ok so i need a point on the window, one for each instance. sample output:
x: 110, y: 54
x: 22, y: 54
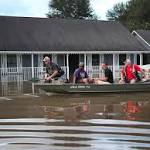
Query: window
x: 60, y: 60
x: 108, y: 58
x: 11, y: 61
x: 36, y: 60
x: 122, y: 58
x: 26, y: 60
x: 146, y: 59
x: 95, y: 60
x: 81, y: 58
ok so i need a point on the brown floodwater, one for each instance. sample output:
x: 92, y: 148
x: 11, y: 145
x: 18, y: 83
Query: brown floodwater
x: 33, y: 121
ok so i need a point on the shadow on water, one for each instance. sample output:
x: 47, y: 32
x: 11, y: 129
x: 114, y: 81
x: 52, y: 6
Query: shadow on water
x: 31, y: 121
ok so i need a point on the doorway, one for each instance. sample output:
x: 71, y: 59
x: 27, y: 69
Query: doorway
x: 73, y: 64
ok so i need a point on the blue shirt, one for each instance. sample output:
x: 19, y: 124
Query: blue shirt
x: 80, y: 74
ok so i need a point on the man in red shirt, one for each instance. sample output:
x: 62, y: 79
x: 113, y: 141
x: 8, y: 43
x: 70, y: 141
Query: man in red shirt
x: 130, y: 73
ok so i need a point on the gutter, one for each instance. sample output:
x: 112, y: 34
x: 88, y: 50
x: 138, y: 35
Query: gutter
x: 73, y: 52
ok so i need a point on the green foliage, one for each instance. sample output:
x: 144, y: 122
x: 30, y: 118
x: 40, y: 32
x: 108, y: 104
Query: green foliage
x: 135, y: 14
x: 78, y: 9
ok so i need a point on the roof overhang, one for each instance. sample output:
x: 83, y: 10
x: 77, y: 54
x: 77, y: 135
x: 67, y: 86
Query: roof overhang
x: 73, y: 52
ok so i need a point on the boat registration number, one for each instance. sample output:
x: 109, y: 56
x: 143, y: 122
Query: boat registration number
x: 80, y: 87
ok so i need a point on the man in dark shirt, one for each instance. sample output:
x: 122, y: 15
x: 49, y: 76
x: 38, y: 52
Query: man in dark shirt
x: 53, y: 71
x: 108, y: 75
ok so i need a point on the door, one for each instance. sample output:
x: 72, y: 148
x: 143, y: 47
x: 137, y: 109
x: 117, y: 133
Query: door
x: 73, y: 65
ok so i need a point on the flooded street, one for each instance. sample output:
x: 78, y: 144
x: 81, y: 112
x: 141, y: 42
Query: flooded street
x: 33, y: 121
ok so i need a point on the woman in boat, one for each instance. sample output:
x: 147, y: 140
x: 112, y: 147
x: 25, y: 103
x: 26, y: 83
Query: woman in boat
x: 53, y: 71
x: 108, y: 75
x: 80, y: 75
x: 130, y: 73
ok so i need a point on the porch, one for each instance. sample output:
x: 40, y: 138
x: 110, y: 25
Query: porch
x: 29, y: 73
x: 14, y: 67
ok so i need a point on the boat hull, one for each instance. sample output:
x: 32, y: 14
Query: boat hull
x: 91, y: 88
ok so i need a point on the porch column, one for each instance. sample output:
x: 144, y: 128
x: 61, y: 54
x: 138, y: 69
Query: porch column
x: 116, y: 69
x: 32, y: 64
x: 85, y: 61
x: 19, y: 84
x: 89, y: 65
x: 4, y: 63
x: 135, y: 58
x: 40, y: 70
x: 4, y: 86
x: 141, y: 59
x: 89, y: 60
x: 114, y: 63
x: 101, y: 58
x: 68, y: 66
x: 19, y: 63
x: 33, y: 89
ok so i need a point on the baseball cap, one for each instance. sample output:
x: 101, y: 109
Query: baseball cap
x: 81, y: 64
x: 127, y: 61
x: 46, y: 58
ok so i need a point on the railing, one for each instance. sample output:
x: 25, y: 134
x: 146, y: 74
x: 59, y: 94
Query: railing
x: 23, y: 73
x: 96, y: 71
x: 27, y: 73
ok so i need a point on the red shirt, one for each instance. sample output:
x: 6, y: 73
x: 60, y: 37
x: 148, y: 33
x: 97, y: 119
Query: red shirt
x: 129, y: 70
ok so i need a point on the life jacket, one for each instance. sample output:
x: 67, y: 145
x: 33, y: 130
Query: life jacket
x: 133, y: 71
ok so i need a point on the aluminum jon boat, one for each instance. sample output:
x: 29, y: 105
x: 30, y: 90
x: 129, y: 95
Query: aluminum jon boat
x: 92, y: 88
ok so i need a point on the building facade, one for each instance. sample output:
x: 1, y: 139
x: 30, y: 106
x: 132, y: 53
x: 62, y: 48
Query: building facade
x: 24, y: 42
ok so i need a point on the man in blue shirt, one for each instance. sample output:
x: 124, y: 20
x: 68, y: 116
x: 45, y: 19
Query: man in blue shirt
x: 80, y: 75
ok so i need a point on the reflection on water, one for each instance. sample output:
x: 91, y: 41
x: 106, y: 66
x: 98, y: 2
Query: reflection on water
x: 70, y: 122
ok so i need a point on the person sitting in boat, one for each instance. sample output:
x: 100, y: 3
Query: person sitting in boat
x: 80, y: 75
x: 108, y: 75
x: 130, y: 73
x: 53, y: 71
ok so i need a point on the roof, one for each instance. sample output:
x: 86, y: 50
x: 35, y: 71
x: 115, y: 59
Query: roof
x: 144, y: 37
x: 145, y: 34
x: 44, y: 34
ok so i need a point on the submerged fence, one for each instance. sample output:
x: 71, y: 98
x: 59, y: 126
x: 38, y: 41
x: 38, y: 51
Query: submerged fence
x: 23, y: 73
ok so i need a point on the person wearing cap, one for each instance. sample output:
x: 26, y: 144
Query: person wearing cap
x: 53, y: 71
x: 108, y: 75
x: 130, y: 72
x: 80, y: 75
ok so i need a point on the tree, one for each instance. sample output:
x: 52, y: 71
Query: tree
x: 135, y: 14
x: 78, y: 9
